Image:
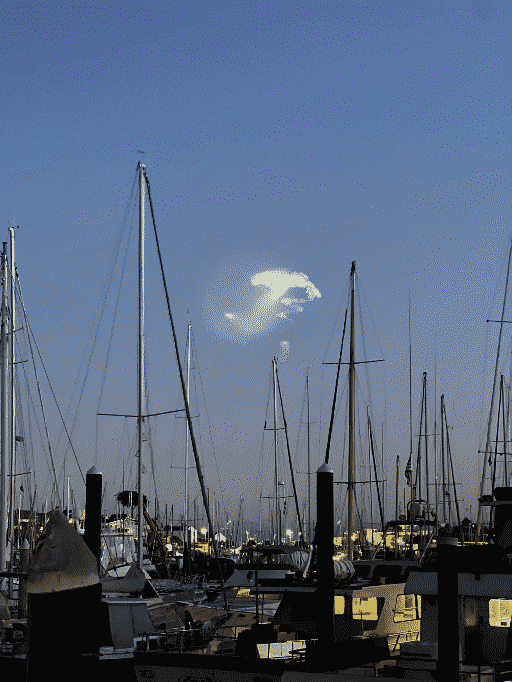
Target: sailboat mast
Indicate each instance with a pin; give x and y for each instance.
(276, 481)
(4, 426)
(140, 383)
(13, 397)
(442, 460)
(185, 509)
(351, 420)
(309, 466)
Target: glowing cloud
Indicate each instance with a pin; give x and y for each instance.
(253, 304)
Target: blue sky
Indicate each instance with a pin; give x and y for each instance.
(293, 136)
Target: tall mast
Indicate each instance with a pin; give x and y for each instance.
(427, 481)
(141, 407)
(396, 507)
(309, 467)
(412, 483)
(185, 508)
(442, 460)
(276, 482)
(351, 419)
(410, 382)
(13, 397)
(4, 424)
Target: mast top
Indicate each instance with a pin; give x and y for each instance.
(353, 267)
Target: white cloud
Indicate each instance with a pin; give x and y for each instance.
(255, 304)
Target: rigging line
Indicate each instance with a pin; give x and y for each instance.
(497, 433)
(148, 431)
(359, 393)
(296, 454)
(195, 365)
(328, 448)
(320, 424)
(361, 290)
(366, 369)
(131, 443)
(29, 429)
(20, 429)
(182, 380)
(358, 447)
(417, 480)
(100, 309)
(262, 447)
(265, 461)
(54, 396)
(333, 329)
(449, 453)
(345, 421)
(205, 406)
(29, 332)
(114, 318)
(360, 520)
(376, 478)
(103, 302)
(301, 530)
(20, 421)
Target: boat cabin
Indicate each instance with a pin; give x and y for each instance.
(485, 604)
(360, 611)
(260, 564)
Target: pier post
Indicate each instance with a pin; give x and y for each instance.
(325, 566)
(93, 491)
(448, 611)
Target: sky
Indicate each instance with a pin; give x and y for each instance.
(282, 140)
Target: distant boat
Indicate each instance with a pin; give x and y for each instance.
(263, 564)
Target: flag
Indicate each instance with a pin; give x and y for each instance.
(408, 472)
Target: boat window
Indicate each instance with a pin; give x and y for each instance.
(407, 607)
(339, 605)
(470, 618)
(365, 608)
(500, 612)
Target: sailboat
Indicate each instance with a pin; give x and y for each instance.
(135, 578)
(142, 414)
(269, 564)
(366, 601)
